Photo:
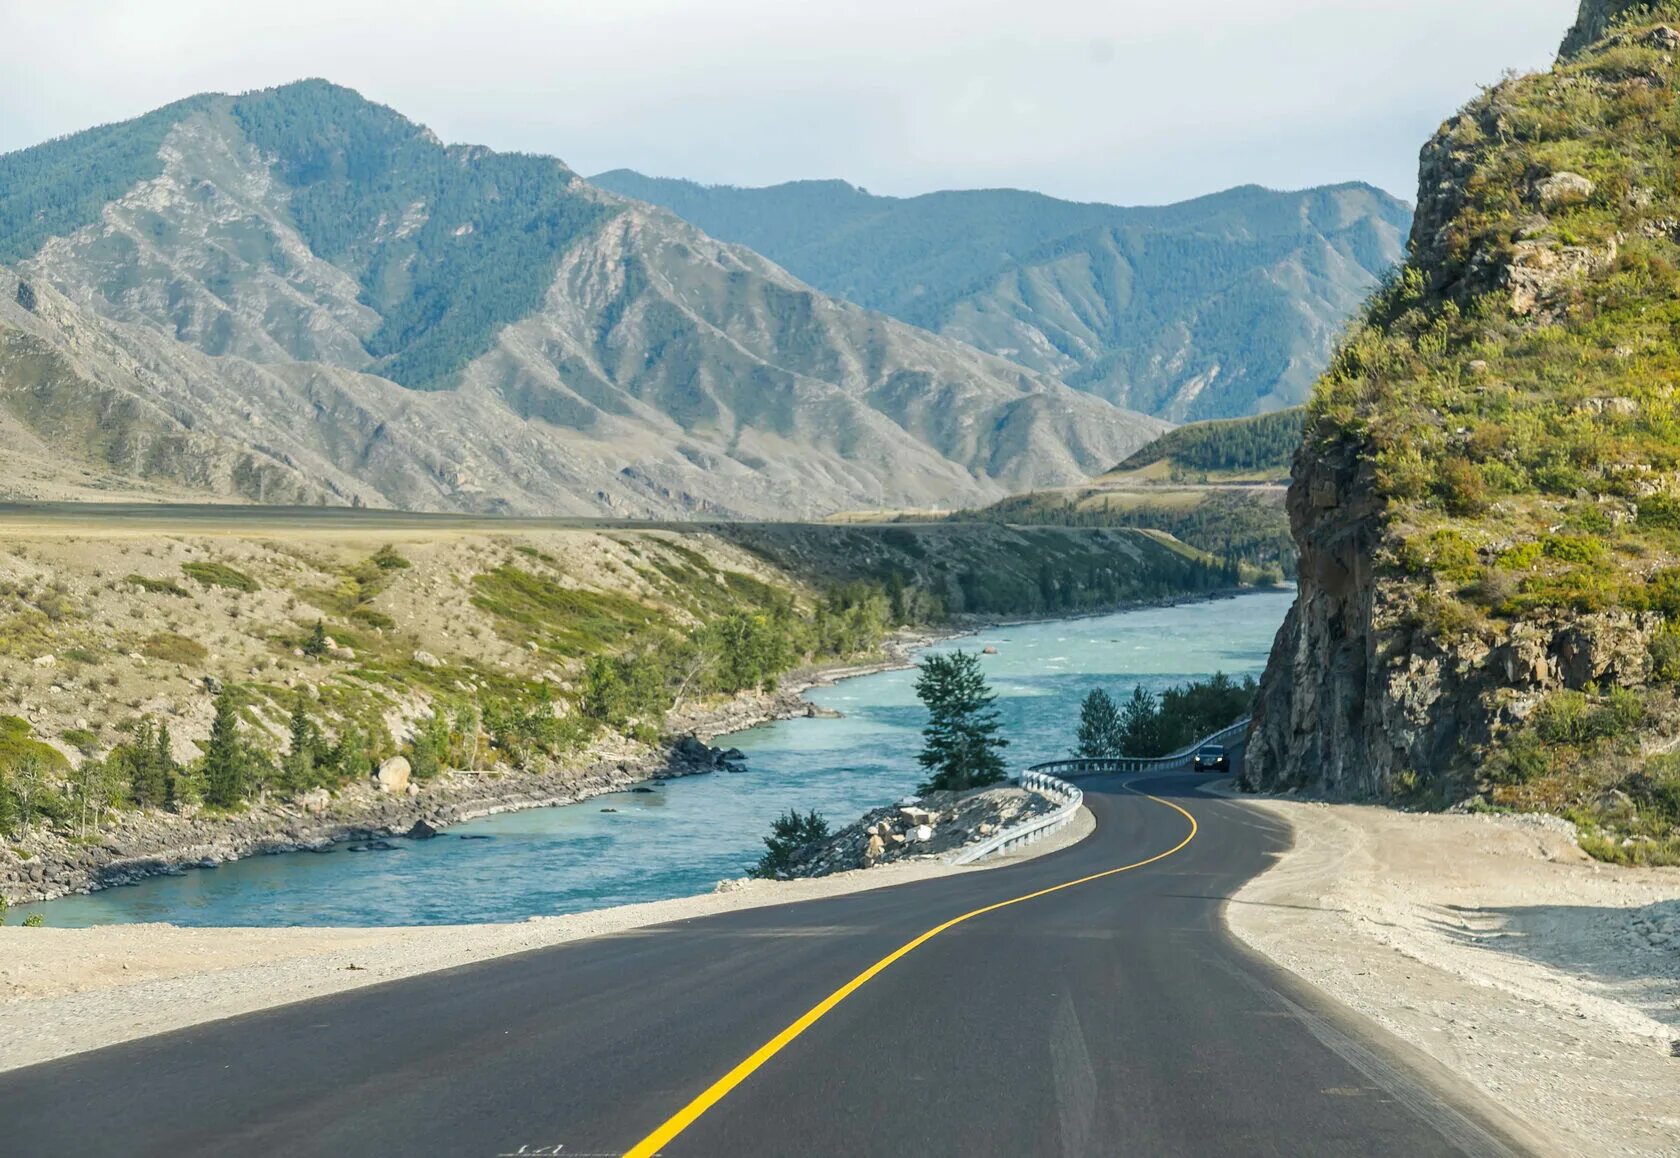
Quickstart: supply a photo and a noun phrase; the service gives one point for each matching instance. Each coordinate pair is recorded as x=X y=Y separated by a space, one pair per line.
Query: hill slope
x=317 y=294
x=1487 y=501
x=1213 y=308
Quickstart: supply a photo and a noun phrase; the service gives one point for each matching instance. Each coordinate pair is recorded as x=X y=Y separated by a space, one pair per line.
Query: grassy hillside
x=1187 y=311
x=1260 y=448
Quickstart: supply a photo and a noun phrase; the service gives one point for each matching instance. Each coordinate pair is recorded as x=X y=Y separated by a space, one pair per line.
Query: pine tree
x=316 y=645
x=1100 y=734
x=168 y=772
x=148 y=782
x=224 y=757
x=302 y=748
x=962 y=747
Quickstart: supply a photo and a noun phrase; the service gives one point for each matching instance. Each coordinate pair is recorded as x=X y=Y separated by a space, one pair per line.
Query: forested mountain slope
x=1222 y=306
x=298 y=291
x=1487 y=500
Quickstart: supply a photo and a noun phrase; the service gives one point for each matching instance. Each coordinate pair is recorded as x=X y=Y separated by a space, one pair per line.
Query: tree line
x=1150 y=724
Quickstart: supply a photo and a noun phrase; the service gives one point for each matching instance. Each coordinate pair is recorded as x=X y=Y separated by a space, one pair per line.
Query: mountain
x=1487 y=498
x=1215 y=308
x=299 y=293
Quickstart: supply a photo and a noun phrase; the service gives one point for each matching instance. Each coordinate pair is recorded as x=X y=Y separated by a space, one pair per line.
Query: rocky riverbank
x=141 y=844
x=933 y=825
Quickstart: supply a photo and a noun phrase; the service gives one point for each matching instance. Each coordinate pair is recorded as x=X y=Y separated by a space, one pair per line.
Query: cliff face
x=1481 y=499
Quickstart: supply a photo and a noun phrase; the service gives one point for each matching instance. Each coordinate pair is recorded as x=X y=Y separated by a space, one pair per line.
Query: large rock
x=1562 y=189
x=393 y=775
x=315 y=801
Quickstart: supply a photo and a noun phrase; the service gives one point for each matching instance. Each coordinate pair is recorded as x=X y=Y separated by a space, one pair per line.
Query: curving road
x=1110 y=1017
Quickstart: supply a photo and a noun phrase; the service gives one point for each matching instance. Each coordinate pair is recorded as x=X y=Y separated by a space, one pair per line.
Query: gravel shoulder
x=63 y=991
x=1546 y=980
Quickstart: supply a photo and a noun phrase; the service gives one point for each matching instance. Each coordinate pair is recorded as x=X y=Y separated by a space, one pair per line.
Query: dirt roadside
x=1546 y=980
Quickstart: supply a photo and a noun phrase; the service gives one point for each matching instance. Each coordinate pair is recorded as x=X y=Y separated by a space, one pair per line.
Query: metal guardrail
x=1112 y=764
x=1046 y=780
x=1068 y=798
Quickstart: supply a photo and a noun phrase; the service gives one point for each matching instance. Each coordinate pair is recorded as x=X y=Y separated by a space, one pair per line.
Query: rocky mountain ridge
x=1222 y=306
x=300 y=294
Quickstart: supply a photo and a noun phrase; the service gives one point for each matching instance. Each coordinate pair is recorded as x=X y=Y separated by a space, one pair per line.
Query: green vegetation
x=788 y=834
x=480 y=254
x=568 y=621
x=1100 y=733
x=1579 y=755
x=1242 y=446
x=55 y=188
x=1231 y=526
x=961 y=748
x=213 y=574
x=351 y=598
x=172 y=648
x=159 y=586
x=1159 y=725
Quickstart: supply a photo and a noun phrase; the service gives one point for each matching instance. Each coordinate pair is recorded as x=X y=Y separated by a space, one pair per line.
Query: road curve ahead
x=1109 y=1017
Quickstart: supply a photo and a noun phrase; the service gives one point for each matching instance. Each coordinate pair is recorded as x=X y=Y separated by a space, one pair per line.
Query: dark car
x=1211 y=758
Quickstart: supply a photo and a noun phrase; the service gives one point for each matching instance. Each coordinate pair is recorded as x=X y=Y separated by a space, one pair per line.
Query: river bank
x=63 y=991
x=139 y=845
x=1546 y=980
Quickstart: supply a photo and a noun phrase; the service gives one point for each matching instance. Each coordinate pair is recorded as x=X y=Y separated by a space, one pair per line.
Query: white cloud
x=1123 y=100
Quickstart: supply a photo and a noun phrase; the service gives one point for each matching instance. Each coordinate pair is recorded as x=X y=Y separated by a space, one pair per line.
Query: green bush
x=213 y=574
x=159 y=586
x=788 y=835
x=172 y=648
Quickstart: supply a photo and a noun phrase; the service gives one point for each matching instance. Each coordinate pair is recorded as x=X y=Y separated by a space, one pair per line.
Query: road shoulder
x=1497 y=948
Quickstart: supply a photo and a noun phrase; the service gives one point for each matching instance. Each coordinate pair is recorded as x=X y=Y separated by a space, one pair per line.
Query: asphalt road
x=1112 y=1017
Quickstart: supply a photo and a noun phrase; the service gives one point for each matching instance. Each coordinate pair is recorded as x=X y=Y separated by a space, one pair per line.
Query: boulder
x=315 y=801
x=1562 y=189
x=923 y=833
x=427 y=659
x=423 y=830
x=393 y=775
x=915 y=816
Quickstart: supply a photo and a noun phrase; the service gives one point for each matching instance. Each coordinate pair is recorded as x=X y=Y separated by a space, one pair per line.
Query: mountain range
x=1219 y=307
x=298 y=295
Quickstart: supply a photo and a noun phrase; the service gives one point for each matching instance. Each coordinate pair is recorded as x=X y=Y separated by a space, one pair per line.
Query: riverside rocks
x=941 y=823
x=141 y=844
x=393 y=775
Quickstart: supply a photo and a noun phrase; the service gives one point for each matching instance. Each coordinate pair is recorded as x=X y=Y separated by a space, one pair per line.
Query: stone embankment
x=933 y=825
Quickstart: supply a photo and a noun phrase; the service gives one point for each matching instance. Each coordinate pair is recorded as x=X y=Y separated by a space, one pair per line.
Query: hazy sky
x=1129 y=101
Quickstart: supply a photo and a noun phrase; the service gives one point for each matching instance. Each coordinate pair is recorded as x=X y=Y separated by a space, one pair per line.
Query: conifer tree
x=961 y=746
x=224 y=757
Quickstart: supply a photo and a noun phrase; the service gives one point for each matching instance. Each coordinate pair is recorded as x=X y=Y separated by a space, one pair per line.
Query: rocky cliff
x=1485 y=499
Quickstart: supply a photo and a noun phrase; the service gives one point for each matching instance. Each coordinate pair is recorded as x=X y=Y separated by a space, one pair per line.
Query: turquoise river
x=690 y=833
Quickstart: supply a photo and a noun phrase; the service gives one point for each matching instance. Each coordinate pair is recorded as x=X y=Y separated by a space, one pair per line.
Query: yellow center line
x=718 y=1090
